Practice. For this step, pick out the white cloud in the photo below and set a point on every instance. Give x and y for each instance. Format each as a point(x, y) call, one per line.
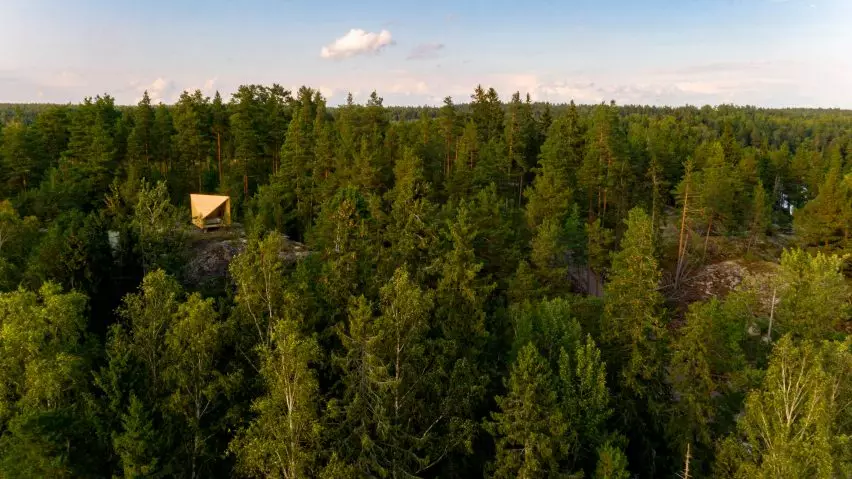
point(208, 89)
point(357, 42)
point(326, 91)
point(158, 90)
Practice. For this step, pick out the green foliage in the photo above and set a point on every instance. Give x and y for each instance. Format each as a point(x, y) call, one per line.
point(391, 427)
point(136, 444)
point(191, 142)
point(17, 236)
point(161, 241)
point(549, 325)
point(282, 440)
point(826, 219)
point(707, 357)
point(17, 156)
point(43, 377)
point(462, 291)
point(632, 325)
point(194, 344)
point(584, 398)
point(789, 427)
point(612, 463)
point(529, 429)
point(760, 216)
point(147, 317)
point(257, 275)
point(474, 264)
point(718, 187)
point(814, 295)
point(72, 252)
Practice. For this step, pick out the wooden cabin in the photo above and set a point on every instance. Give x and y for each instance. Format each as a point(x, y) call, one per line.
point(210, 211)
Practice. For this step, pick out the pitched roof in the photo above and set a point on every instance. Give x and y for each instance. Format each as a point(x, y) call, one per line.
point(203, 205)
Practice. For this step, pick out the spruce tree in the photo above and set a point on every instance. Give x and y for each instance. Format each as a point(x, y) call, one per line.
point(529, 428)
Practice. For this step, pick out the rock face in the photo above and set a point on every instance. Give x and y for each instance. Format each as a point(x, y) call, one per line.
point(209, 260)
point(211, 254)
point(719, 279)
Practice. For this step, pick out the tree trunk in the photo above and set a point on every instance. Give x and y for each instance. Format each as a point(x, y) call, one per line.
point(520, 189)
point(681, 248)
point(456, 160)
point(219, 155)
point(707, 237)
point(447, 159)
point(771, 314)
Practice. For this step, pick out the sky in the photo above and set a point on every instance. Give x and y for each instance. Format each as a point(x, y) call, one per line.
point(773, 53)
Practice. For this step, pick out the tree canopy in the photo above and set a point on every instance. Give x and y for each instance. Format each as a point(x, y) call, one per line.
point(492, 287)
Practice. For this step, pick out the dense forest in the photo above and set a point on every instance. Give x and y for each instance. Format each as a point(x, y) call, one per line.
point(495, 288)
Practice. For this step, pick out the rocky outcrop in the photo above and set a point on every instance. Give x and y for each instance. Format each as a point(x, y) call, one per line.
point(211, 254)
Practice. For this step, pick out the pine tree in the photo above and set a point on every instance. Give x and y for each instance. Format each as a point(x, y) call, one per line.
point(137, 444)
point(634, 337)
point(487, 114)
point(410, 231)
point(562, 151)
point(17, 156)
point(584, 398)
point(631, 322)
point(139, 142)
point(362, 371)
point(393, 420)
point(461, 299)
point(826, 220)
point(219, 128)
point(191, 140)
point(324, 148)
point(760, 214)
point(520, 140)
point(343, 235)
point(162, 132)
point(706, 358)
point(403, 325)
point(529, 428)
point(549, 257)
point(158, 243)
point(51, 135)
point(717, 189)
point(89, 162)
point(246, 133)
point(604, 173)
point(448, 123)
point(612, 463)
point(549, 199)
point(298, 158)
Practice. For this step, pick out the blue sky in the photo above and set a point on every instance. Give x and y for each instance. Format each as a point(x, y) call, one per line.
point(673, 52)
